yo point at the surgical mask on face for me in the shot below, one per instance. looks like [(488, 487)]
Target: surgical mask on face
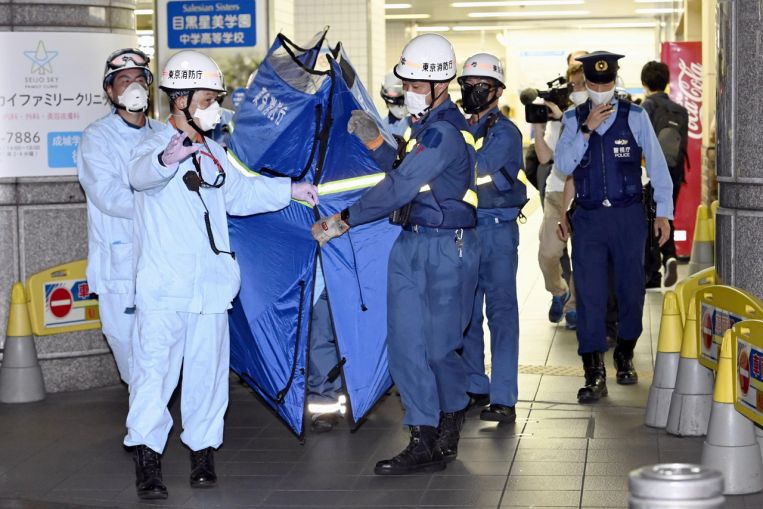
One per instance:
[(209, 117), (399, 112), (600, 97), (416, 103), (134, 98), (579, 97)]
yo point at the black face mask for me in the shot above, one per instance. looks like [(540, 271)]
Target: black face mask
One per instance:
[(477, 97)]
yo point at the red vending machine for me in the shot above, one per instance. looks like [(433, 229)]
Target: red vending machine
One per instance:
[(685, 62)]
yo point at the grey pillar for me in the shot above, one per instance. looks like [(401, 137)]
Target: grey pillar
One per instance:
[(740, 146), (43, 221)]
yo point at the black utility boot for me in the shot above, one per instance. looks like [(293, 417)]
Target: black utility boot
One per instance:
[(203, 468), (148, 474), (623, 355), (478, 399), (449, 432), (499, 413), (595, 378), (422, 453), (323, 423)]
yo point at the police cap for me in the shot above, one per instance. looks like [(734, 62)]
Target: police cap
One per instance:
[(600, 66)]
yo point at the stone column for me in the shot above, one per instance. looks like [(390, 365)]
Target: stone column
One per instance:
[(43, 221), (740, 145)]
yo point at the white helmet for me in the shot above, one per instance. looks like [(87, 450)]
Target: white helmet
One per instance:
[(191, 70), (428, 57), (483, 65), (392, 89), (123, 59)]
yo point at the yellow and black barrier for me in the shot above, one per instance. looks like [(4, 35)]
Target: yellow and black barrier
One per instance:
[(731, 445)]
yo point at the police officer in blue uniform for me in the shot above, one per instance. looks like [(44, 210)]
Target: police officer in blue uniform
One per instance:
[(432, 274), (601, 146), (501, 198)]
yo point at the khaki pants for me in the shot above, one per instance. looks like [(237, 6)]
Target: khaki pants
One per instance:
[(551, 249)]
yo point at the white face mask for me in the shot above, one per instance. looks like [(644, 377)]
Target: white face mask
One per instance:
[(600, 97), (579, 97), (134, 98), (416, 103), (399, 112), (209, 117)]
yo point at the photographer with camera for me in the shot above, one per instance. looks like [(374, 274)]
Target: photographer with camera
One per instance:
[(551, 248), (601, 146)]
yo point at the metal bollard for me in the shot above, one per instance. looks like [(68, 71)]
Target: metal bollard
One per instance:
[(675, 486)]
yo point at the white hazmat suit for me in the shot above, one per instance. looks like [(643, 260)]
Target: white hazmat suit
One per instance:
[(184, 289), (102, 160)]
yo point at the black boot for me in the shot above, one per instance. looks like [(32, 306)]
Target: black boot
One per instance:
[(148, 474), (595, 378), (203, 468), (449, 432), (422, 453), (499, 413), (478, 399), (623, 355)]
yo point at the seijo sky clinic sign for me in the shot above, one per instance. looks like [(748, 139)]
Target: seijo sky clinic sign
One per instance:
[(50, 92)]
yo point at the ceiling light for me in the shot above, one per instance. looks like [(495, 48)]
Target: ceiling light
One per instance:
[(658, 11), (407, 16), (526, 14), (517, 3), (432, 29), (478, 28), (619, 25), (143, 12), (397, 6)]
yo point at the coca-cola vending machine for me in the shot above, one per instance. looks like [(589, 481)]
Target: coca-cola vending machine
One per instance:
[(685, 62)]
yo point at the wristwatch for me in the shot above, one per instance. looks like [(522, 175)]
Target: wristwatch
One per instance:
[(585, 129)]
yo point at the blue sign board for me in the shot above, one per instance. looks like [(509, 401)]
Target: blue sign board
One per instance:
[(62, 149), (203, 24)]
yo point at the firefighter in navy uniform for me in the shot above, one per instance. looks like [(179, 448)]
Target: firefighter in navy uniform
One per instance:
[(501, 198), (601, 146), (432, 274)]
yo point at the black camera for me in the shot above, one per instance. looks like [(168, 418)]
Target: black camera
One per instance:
[(558, 93)]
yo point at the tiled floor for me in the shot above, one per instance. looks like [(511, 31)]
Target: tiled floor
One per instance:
[(66, 451)]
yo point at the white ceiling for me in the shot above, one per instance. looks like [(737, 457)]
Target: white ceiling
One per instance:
[(443, 12)]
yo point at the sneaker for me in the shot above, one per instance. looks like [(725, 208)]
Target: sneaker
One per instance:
[(571, 319), (671, 272), (556, 311), (654, 283)]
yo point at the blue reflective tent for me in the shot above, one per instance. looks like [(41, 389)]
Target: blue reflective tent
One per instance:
[(292, 123)]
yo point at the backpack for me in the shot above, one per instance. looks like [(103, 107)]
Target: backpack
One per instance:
[(671, 125)]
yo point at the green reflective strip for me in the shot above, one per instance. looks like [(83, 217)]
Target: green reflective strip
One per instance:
[(235, 161), (471, 198), (425, 188), (484, 180), (351, 184)]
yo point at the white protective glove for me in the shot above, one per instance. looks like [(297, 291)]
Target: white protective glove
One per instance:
[(305, 191), (175, 152)]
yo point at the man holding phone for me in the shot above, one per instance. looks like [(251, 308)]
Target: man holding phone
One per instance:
[(601, 146)]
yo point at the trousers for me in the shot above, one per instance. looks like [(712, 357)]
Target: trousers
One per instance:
[(432, 279)]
